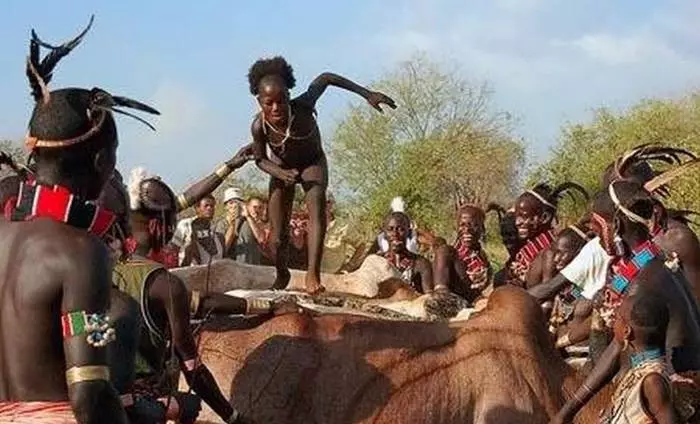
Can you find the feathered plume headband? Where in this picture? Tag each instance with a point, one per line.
(655, 152)
(40, 72)
(550, 197)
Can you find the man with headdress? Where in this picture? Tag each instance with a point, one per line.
(586, 274)
(622, 218)
(55, 327)
(166, 305)
(464, 268)
(535, 211)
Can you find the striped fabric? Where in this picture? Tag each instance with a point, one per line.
(523, 259)
(37, 413)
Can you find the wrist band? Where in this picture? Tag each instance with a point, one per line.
(77, 375)
(223, 171)
(257, 306)
(563, 341)
(194, 302)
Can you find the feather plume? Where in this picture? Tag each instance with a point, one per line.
(39, 72)
(661, 181)
(650, 152)
(568, 188)
(137, 176)
(398, 205)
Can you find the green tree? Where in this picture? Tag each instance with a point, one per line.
(15, 150)
(443, 142)
(585, 149)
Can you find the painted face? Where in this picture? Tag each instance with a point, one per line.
(470, 227)
(206, 208)
(255, 209)
(273, 98)
(564, 251)
(603, 229)
(530, 219)
(396, 231)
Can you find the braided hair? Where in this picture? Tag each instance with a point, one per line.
(277, 67)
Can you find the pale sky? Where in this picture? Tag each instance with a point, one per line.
(548, 61)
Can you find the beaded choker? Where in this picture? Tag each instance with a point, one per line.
(639, 358)
(625, 271)
(58, 203)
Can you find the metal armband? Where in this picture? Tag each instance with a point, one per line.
(95, 326)
(223, 171)
(77, 375)
(257, 306)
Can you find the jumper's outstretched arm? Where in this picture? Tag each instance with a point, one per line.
(319, 84)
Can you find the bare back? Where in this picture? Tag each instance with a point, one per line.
(42, 272)
(683, 336)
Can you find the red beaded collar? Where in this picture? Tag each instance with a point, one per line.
(58, 203)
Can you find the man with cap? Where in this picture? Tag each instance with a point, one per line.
(233, 202)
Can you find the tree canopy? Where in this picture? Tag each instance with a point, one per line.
(585, 149)
(443, 142)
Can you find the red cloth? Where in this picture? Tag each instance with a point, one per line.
(37, 413)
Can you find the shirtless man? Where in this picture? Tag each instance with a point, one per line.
(54, 267)
(415, 270)
(589, 268)
(622, 217)
(288, 127)
(165, 302)
(464, 268)
(535, 211)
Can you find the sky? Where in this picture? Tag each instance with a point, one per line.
(549, 62)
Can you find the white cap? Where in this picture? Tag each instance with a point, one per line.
(232, 193)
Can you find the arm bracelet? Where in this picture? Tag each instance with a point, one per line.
(257, 306)
(77, 375)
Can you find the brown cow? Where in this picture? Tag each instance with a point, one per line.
(498, 367)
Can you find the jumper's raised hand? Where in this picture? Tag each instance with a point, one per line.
(376, 98)
(242, 156)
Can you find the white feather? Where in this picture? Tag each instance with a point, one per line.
(398, 205)
(134, 187)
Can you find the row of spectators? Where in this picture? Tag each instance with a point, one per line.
(242, 233)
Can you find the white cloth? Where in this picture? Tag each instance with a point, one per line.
(182, 236)
(588, 270)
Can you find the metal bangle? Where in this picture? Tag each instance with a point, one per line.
(257, 306)
(223, 171)
(77, 375)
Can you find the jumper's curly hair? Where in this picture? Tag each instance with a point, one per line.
(275, 66)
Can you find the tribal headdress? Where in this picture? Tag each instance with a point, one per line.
(149, 193)
(549, 197)
(638, 162)
(67, 117)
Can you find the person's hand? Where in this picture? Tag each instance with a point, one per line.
(289, 176)
(376, 98)
(242, 156)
